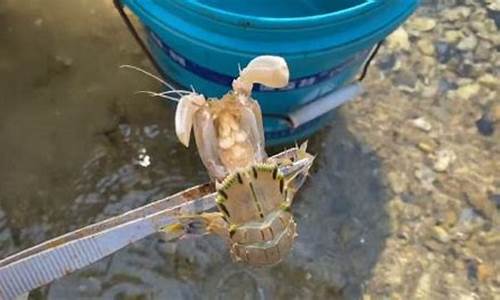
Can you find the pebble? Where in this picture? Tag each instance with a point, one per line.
(65, 61)
(422, 123)
(398, 40)
(426, 47)
(491, 238)
(421, 24)
(485, 271)
(427, 148)
(453, 36)
(485, 126)
(423, 288)
(445, 52)
(466, 92)
(387, 62)
(489, 80)
(494, 5)
(468, 43)
(495, 112)
(38, 22)
(426, 177)
(440, 234)
(397, 181)
(481, 203)
(457, 13)
(444, 158)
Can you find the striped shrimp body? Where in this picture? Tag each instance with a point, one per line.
(255, 208)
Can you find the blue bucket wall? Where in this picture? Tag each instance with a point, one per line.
(202, 42)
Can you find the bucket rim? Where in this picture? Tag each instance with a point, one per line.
(278, 22)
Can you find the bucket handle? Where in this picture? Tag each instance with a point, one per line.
(120, 7)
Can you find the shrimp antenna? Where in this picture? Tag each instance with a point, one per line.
(152, 76)
(161, 95)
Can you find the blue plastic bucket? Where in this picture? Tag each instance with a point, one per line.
(201, 43)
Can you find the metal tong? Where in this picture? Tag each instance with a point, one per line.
(55, 258)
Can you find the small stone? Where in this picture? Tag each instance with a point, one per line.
(64, 61)
(453, 36)
(387, 62)
(485, 271)
(421, 24)
(38, 22)
(434, 245)
(439, 234)
(489, 80)
(423, 288)
(495, 198)
(397, 181)
(426, 47)
(405, 80)
(398, 40)
(457, 13)
(481, 203)
(426, 177)
(450, 218)
(445, 52)
(468, 43)
(422, 123)
(491, 238)
(466, 92)
(495, 112)
(428, 148)
(494, 5)
(444, 158)
(485, 126)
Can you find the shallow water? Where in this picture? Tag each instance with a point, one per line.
(78, 145)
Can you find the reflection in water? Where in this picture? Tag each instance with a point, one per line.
(78, 146)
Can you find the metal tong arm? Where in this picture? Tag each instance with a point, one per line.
(43, 263)
(58, 257)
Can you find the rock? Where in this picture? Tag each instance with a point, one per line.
(440, 234)
(398, 182)
(453, 36)
(421, 24)
(468, 43)
(38, 22)
(423, 288)
(426, 47)
(426, 177)
(465, 69)
(479, 200)
(494, 5)
(445, 52)
(490, 81)
(485, 125)
(466, 92)
(421, 123)
(495, 112)
(387, 62)
(491, 238)
(64, 61)
(458, 13)
(405, 80)
(485, 271)
(426, 147)
(444, 158)
(483, 51)
(495, 198)
(398, 40)
(495, 16)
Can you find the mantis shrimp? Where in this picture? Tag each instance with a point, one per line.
(253, 197)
